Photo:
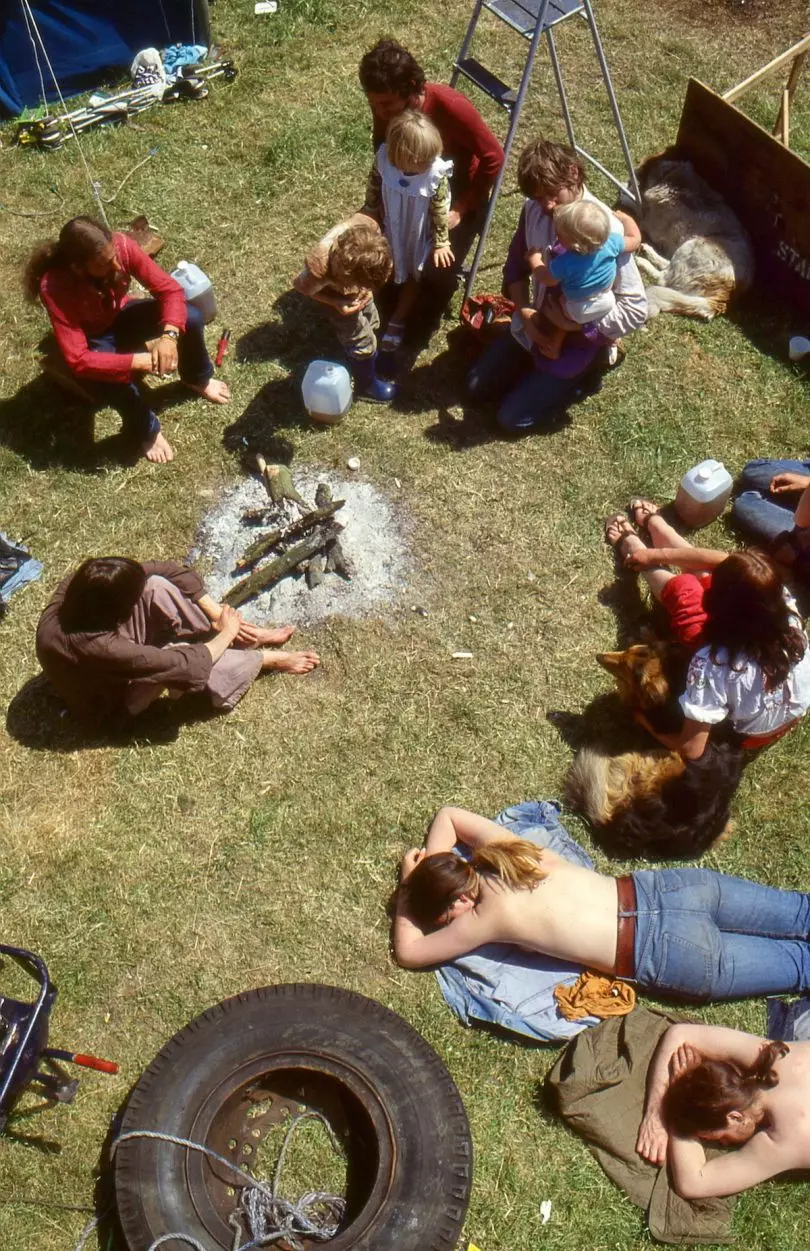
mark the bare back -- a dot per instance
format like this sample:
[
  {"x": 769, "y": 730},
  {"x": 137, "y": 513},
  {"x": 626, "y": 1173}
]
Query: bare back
[
  {"x": 571, "y": 914},
  {"x": 788, "y": 1107}
]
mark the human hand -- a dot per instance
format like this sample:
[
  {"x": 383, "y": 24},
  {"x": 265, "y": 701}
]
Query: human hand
[
  {"x": 142, "y": 362},
  {"x": 229, "y": 623},
  {"x": 453, "y": 219},
  {"x": 359, "y": 302},
  {"x": 789, "y": 482},
  {"x": 685, "y": 1058},
  {"x": 249, "y": 635},
  {"x": 641, "y": 558},
  {"x": 443, "y": 257},
  {"x": 164, "y": 356},
  {"x": 652, "y": 1140},
  {"x": 409, "y": 862}
]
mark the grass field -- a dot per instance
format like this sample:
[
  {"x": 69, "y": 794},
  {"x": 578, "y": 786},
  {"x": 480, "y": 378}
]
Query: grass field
[{"x": 157, "y": 878}]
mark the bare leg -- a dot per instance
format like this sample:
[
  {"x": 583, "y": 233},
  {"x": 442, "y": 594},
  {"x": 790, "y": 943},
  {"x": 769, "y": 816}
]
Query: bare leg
[
  {"x": 662, "y": 534},
  {"x": 620, "y": 534}
]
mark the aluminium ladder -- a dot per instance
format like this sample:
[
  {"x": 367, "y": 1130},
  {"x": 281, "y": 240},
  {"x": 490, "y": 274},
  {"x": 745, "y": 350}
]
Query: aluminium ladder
[{"x": 532, "y": 19}]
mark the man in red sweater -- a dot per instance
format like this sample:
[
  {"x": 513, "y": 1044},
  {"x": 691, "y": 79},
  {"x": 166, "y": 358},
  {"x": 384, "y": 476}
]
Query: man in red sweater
[
  {"x": 83, "y": 281},
  {"x": 393, "y": 81}
]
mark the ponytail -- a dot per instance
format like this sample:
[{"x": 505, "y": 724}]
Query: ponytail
[
  {"x": 79, "y": 240},
  {"x": 516, "y": 862},
  {"x": 702, "y": 1097},
  {"x": 440, "y": 879}
]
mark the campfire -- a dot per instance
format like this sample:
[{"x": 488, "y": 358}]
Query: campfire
[{"x": 303, "y": 547}]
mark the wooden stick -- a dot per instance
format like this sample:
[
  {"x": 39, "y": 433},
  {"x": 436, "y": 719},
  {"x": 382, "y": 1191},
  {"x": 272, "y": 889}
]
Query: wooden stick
[
  {"x": 271, "y": 573},
  {"x": 265, "y": 542},
  {"x": 801, "y": 46},
  {"x": 782, "y": 127}
]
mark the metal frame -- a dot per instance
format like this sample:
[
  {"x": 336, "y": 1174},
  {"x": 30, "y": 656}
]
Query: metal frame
[{"x": 532, "y": 28}]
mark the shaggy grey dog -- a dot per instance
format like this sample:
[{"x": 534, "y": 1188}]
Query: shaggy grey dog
[{"x": 710, "y": 254}]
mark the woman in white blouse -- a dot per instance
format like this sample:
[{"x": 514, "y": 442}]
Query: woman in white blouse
[{"x": 752, "y": 663}]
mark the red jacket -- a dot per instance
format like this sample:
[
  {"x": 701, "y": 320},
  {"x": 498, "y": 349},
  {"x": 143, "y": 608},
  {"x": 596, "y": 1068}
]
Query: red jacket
[
  {"x": 79, "y": 310},
  {"x": 467, "y": 141}
]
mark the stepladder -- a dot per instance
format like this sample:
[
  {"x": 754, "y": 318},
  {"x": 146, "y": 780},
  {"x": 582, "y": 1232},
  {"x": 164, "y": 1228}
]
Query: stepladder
[{"x": 533, "y": 20}]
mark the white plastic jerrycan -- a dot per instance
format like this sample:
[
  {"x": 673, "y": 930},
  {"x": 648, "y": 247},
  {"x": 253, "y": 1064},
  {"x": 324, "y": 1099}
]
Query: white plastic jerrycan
[
  {"x": 703, "y": 493},
  {"x": 198, "y": 289},
  {"x": 327, "y": 391}
]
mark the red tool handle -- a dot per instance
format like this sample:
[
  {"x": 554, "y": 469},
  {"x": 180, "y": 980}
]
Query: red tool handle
[
  {"x": 93, "y": 1062},
  {"x": 222, "y": 348}
]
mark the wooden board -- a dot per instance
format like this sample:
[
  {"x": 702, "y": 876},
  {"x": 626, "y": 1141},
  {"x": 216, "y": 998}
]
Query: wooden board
[{"x": 767, "y": 185}]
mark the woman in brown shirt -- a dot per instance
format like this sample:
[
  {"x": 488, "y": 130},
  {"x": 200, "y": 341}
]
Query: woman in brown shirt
[{"x": 117, "y": 634}]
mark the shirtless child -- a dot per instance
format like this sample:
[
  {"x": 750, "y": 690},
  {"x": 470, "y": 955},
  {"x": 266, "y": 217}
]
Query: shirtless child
[{"x": 690, "y": 933}]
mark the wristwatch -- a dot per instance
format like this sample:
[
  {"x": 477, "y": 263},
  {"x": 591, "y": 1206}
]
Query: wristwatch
[{"x": 170, "y": 334}]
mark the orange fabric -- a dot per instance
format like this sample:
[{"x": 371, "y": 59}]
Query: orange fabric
[{"x": 595, "y": 994}]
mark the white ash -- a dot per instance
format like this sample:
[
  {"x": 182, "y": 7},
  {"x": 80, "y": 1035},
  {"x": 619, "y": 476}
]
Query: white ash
[{"x": 371, "y": 540}]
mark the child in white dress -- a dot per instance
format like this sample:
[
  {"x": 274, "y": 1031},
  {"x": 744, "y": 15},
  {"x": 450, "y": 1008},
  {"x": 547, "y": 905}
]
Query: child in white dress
[{"x": 409, "y": 193}]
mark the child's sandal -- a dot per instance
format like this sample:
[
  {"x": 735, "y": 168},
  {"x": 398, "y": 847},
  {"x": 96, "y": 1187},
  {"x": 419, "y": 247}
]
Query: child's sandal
[{"x": 391, "y": 341}]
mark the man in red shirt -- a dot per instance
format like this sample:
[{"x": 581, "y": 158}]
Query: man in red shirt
[
  {"x": 83, "y": 281},
  {"x": 393, "y": 81}
]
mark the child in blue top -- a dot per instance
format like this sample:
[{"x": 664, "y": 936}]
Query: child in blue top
[{"x": 582, "y": 267}]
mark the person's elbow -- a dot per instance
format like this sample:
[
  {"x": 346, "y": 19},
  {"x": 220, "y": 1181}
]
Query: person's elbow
[
  {"x": 406, "y": 958},
  {"x": 694, "y": 748},
  {"x": 690, "y": 1187}
]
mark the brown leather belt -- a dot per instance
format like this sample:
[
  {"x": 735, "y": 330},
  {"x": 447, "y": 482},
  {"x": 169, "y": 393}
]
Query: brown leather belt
[{"x": 626, "y": 928}]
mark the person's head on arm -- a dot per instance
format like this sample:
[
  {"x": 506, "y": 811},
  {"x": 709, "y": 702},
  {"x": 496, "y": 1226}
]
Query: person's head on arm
[
  {"x": 550, "y": 174},
  {"x": 102, "y": 594},
  {"x": 84, "y": 249},
  {"x": 360, "y": 257},
  {"x": 392, "y": 80}
]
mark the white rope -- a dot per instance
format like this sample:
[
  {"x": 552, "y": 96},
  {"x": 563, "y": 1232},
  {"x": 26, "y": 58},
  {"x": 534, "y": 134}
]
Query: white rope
[
  {"x": 316, "y": 1215},
  {"x": 36, "y": 57},
  {"x": 94, "y": 186}
]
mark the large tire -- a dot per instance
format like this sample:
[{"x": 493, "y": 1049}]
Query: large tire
[{"x": 384, "y": 1090}]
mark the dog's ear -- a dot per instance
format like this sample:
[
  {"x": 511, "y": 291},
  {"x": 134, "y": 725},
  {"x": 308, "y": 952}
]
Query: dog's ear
[
  {"x": 612, "y": 661},
  {"x": 653, "y": 681}
]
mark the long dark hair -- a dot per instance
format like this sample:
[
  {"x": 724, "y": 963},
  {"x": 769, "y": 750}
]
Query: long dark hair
[
  {"x": 440, "y": 879},
  {"x": 79, "y": 240},
  {"x": 749, "y": 617},
  {"x": 388, "y": 67},
  {"x": 102, "y": 594},
  {"x": 701, "y": 1098}
]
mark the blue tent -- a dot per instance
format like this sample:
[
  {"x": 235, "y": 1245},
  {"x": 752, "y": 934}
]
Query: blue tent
[{"x": 83, "y": 38}]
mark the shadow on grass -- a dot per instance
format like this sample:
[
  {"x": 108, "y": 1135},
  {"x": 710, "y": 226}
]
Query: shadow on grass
[
  {"x": 37, "y": 718},
  {"x": 604, "y": 724}
]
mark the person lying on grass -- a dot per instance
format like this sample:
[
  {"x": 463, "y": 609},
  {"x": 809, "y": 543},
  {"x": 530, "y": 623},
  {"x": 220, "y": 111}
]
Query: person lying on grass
[
  {"x": 83, "y": 280},
  {"x": 117, "y": 634},
  {"x": 752, "y": 663},
  {"x": 709, "y": 1084},
  {"x": 689, "y": 933}
]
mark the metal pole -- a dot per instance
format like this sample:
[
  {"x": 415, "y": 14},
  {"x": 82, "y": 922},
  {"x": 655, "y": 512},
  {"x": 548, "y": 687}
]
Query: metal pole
[
  {"x": 465, "y": 47},
  {"x": 507, "y": 147},
  {"x": 555, "y": 61},
  {"x": 603, "y": 65}
]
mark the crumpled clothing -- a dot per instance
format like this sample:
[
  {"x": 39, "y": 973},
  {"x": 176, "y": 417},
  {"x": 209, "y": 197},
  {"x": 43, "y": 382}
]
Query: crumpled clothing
[
  {"x": 499, "y": 983},
  {"x": 147, "y": 69},
  {"x": 178, "y": 55},
  {"x": 789, "y": 1022},
  {"x": 17, "y": 567},
  {"x": 595, "y": 994}
]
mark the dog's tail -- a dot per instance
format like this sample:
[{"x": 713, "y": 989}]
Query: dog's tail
[
  {"x": 587, "y": 787},
  {"x": 601, "y": 786},
  {"x": 716, "y": 293}
]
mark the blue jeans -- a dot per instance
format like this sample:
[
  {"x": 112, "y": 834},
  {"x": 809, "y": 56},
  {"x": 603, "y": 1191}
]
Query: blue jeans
[
  {"x": 527, "y": 397},
  {"x": 702, "y": 935},
  {"x": 756, "y": 511},
  {"x": 138, "y": 321}
]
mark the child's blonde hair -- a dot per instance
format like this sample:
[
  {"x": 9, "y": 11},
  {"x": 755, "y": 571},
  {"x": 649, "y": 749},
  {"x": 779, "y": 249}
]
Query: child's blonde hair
[
  {"x": 360, "y": 254},
  {"x": 412, "y": 142},
  {"x": 586, "y": 225}
]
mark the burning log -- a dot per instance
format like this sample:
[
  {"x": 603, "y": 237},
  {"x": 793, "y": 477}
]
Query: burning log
[
  {"x": 266, "y": 542},
  {"x": 276, "y": 569}
]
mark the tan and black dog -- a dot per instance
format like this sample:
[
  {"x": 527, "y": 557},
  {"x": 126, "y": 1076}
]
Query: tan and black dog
[{"x": 654, "y": 803}]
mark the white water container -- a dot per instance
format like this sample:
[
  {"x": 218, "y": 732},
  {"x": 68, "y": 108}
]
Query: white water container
[
  {"x": 198, "y": 289},
  {"x": 703, "y": 493},
  {"x": 327, "y": 391}
]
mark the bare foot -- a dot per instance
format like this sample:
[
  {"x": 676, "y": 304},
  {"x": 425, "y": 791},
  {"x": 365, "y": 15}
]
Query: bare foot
[
  {"x": 159, "y": 450},
  {"x": 642, "y": 510},
  {"x": 215, "y": 390},
  {"x": 617, "y": 528},
  {"x": 273, "y": 638},
  {"x": 291, "y": 662}
]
